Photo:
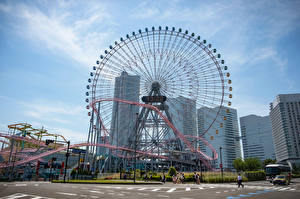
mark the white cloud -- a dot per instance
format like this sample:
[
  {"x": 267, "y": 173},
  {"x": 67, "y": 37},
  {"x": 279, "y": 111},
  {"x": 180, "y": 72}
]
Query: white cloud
[
  {"x": 61, "y": 32},
  {"x": 69, "y": 134},
  {"x": 45, "y": 107}
]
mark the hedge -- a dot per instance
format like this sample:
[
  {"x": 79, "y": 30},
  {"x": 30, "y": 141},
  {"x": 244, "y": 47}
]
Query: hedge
[{"x": 255, "y": 175}]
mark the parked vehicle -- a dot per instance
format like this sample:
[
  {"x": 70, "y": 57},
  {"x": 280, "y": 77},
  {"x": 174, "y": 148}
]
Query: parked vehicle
[
  {"x": 280, "y": 180},
  {"x": 273, "y": 170}
]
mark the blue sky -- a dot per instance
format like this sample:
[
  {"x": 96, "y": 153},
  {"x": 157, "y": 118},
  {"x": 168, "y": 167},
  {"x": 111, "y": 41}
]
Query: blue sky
[{"x": 48, "y": 49}]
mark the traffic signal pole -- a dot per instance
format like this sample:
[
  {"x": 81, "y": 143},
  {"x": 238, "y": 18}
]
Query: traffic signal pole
[
  {"x": 221, "y": 165},
  {"x": 67, "y": 157}
]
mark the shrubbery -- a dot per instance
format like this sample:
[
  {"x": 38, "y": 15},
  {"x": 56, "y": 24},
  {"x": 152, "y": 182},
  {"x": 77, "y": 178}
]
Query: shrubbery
[
  {"x": 255, "y": 175},
  {"x": 172, "y": 171}
]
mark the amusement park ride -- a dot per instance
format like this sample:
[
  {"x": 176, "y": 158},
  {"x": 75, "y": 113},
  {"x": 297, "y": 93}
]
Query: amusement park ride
[{"x": 143, "y": 96}]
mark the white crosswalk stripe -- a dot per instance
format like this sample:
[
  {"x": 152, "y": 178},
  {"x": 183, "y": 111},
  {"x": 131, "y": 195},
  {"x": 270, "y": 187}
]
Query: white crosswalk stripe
[
  {"x": 171, "y": 190},
  {"x": 155, "y": 190},
  {"x": 188, "y": 188}
]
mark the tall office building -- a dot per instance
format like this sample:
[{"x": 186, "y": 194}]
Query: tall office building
[
  {"x": 123, "y": 120},
  {"x": 226, "y": 137},
  {"x": 257, "y": 137},
  {"x": 184, "y": 113},
  {"x": 285, "y": 119}
]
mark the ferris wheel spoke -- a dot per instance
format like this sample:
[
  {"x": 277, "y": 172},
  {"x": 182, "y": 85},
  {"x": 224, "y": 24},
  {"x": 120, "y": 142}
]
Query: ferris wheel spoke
[
  {"x": 169, "y": 52},
  {"x": 181, "y": 45},
  {"x": 147, "y": 74},
  {"x": 174, "y": 49}
]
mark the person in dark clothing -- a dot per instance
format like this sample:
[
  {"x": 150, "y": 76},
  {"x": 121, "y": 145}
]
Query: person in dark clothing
[{"x": 240, "y": 180}]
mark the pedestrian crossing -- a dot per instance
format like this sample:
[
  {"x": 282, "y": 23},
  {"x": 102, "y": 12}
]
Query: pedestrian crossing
[{"x": 192, "y": 187}]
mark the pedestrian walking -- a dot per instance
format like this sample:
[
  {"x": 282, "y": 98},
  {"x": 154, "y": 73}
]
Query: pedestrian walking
[
  {"x": 174, "y": 178},
  {"x": 197, "y": 179},
  {"x": 163, "y": 178},
  {"x": 182, "y": 178},
  {"x": 240, "y": 180}
]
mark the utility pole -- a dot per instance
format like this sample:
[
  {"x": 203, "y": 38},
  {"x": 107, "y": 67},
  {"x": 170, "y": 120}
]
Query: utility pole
[
  {"x": 67, "y": 157},
  {"x": 221, "y": 164},
  {"x": 135, "y": 143},
  {"x": 201, "y": 179},
  {"x": 78, "y": 165}
]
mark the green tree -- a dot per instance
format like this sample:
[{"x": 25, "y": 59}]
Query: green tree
[
  {"x": 239, "y": 164},
  {"x": 252, "y": 164},
  {"x": 172, "y": 171},
  {"x": 269, "y": 161}
]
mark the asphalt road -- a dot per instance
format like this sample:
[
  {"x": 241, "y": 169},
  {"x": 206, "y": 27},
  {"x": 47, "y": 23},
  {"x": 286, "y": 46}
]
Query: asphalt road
[{"x": 46, "y": 190}]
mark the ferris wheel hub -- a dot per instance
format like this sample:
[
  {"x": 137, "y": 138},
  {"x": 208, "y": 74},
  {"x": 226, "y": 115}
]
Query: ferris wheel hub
[{"x": 155, "y": 86}]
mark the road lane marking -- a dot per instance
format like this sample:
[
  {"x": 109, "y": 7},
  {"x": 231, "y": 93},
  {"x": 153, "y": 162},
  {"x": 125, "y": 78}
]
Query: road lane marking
[
  {"x": 22, "y": 195},
  {"x": 143, "y": 194},
  {"x": 162, "y": 196},
  {"x": 188, "y": 189},
  {"x": 94, "y": 191},
  {"x": 201, "y": 188},
  {"x": 21, "y": 185},
  {"x": 94, "y": 197},
  {"x": 155, "y": 189},
  {"x": 141, "y": 189},
  {"x": 283, "y": 189},
  {"x": 67, "y": 194},
  {"x": 171, "y": 190}
]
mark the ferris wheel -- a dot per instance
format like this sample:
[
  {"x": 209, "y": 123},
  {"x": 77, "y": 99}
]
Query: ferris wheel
[{"x": 146, "y": 90}]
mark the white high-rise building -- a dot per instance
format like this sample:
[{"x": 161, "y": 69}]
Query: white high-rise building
[
  {"x": 257, "y": 137},
  {"x": 226, "y": 136},
  {"x": 123, "y": 120},
  {"x": 285, "y": 119}
]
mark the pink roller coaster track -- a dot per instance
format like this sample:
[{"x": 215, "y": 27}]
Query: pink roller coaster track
[
  {"x": 106, "y": 145},
  {"x": 179, "y": 134}
]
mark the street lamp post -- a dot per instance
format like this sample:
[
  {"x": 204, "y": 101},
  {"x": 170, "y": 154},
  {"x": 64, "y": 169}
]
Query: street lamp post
[
  {"x": 67, "y": 157},
  {"x": 221, "y": 164},
  {"x": 201, "y": 171}
]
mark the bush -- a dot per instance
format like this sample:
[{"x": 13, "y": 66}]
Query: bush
[
  {"x": 296, "y": 175},
  {"x": 255, "y": 175},
  {"x": 172, "y": 171}
]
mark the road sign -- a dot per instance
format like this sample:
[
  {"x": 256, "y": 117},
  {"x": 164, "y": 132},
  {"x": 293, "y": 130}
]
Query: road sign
[
  {"x": 77, "y": 151},
  {"x": 221, "y": 165}
]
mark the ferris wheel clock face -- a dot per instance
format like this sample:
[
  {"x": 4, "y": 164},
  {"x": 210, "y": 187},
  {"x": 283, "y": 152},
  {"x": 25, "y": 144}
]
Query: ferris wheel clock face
[{"x": 160, "y": 66}]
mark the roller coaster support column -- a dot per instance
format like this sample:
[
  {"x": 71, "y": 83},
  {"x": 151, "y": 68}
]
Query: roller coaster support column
[{"x": 67, "y": 157}]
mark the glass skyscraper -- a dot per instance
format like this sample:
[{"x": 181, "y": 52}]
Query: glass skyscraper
[
  {"x": 123, "y": 121},
  {"x": 226, "y": 136},
  {"x": 257, "y": 137},
  {"x": 285, "y": 119}
]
